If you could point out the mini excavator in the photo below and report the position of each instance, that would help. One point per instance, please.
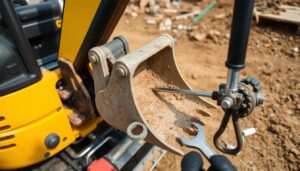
(68, 93)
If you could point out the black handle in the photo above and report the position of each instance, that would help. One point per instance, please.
(241, 23)
(192, 161)
(221, 163)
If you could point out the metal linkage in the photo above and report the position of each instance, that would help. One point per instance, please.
(237, 98)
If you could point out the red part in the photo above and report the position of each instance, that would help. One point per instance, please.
(101, 165)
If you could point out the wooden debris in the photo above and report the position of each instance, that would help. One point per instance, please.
(289, 14)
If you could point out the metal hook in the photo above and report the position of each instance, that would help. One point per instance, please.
(238, 133)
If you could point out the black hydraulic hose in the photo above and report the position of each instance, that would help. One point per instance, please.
(238, 133)
(241, 24)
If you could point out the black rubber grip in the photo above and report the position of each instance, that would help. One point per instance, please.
(192, 161)
(241, 24)
(221, 163)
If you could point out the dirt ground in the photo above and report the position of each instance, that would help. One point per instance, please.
(273, 57)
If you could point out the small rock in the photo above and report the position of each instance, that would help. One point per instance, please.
(227, 35)
(213, 38)
(296, 49)
(267, 45)
(257, 41)
(198, 36)
(220, 16)
(174, 30)
(291, 68)
(214, 35)
(143, 4)
(165, 25)
(165, 3)
(168, 22)
(135, 8)
(151, 22)
(289, 112)
(253, 168)
(193, 76)
(180, 27)
(292, 55)
(273, 129)
(267, 72)
(134, 14)
(272, 114)
(274, 39)
(153, 8)
(195, 27)
(215, 32)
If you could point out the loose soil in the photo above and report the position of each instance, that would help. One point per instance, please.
(168, 115)
(273, 57)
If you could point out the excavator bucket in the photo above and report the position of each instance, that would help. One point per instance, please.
(125, 98)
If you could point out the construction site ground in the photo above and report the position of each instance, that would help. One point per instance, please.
(273, 57)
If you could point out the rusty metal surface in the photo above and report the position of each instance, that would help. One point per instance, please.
(79, 100)
(117, 101)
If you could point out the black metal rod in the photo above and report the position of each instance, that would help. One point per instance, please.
(241, 23)
(16, 31)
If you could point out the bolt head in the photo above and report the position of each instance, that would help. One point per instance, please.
(52, 140)
(93, 58)
(260, 98)
(226, 102)
(121, 71)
